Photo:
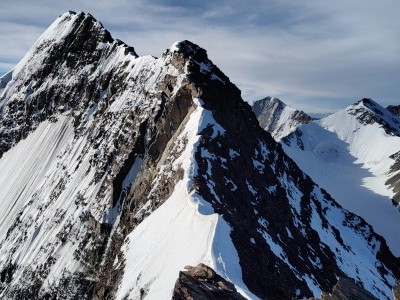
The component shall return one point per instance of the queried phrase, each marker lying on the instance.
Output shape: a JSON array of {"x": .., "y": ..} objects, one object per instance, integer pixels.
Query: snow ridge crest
[{"x": 368, "y": 112}]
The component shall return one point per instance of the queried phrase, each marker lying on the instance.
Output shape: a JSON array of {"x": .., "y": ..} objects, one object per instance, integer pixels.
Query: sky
[{"x": 315, "y": 55}]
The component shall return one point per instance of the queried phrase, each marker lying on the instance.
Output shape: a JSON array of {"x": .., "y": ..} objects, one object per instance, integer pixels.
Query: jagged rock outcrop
[
  {"x": 277, "y": 118},
  {"x": 129, "y": 168},
  {"x": 202, "y": 283},
  {"x": 396, "y": 290},
  {"x": 394, "y": 180},
  {"x": 347, "y": 289}
]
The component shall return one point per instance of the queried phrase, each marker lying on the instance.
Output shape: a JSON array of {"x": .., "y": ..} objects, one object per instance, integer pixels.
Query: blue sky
[{"x": 314, "y": 55}]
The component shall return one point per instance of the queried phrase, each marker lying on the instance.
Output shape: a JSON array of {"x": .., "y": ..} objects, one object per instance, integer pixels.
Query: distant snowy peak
[
  {"x": 356, "y": 149},
  {"x": 278, "y": 118},
  {"x": 368, "y": 112},
  {"x": 372, "y": 132}
]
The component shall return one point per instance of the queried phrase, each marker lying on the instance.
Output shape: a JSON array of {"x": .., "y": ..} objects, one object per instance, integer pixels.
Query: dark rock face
[
  {"x": 347, "y": 289},
  {"x": 394, "y": 109},
  {"x": 394, "y": 181},
  {"x": 202, "y": 283},
  {"x": 396, "y": 291},
  {"x": 277, "y": 118}
]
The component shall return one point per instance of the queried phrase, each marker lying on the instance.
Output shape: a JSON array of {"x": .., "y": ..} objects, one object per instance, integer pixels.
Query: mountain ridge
[
  {"x": 125, "y": 161},
  {"x": 368, "y": 111}
]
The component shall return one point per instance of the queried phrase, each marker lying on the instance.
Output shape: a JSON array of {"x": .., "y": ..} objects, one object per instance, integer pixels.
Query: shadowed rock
[
  {"x": 394, "y": 109},
  {"x": 348, "y": 289},
  {"x": 201, "y": 282},
  {"x": 396, "y": 291}
]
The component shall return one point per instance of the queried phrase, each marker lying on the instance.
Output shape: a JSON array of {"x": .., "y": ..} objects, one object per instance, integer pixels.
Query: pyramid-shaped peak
[
  {"x": 74, "y": 38},
  {"x": 368, "y": 102},
  {"x": 370, "y": 105},
  {"x": 267, "y": 103},
  {"x": 271, "y": 99},
  {"x": 75, "y": 24},
  {"x": 274, "y": 100},
  {"x": 368, "y": 112},
  {"x": 278, "y": 118}
]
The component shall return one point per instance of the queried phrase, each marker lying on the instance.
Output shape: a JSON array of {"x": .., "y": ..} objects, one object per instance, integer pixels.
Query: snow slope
[
  {"x": 351, "y": 160},
  {"x": 20, "y": 178}
]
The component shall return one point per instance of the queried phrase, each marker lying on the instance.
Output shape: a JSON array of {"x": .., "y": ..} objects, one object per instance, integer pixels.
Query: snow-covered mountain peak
[
  {"x": 69, "y": 59},
  {"x": 260, "y": 105},
  {"x": 118, "y": 171},
  {"x": 364, "y": 113},
  {"x": 368, "y": 112},
  {"x": 72, "y": 25},
  {"x": 278, "y": 118},
  {"x": 71, "y": 37},
  {"x": 355, "y": 149}
]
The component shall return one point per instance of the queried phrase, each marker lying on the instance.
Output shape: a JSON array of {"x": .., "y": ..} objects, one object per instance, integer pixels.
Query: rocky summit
[{"x": 118, "y": 170}]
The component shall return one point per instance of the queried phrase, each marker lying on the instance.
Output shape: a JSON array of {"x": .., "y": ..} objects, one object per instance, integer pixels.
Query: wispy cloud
[{"x": 314, "y": 55}]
